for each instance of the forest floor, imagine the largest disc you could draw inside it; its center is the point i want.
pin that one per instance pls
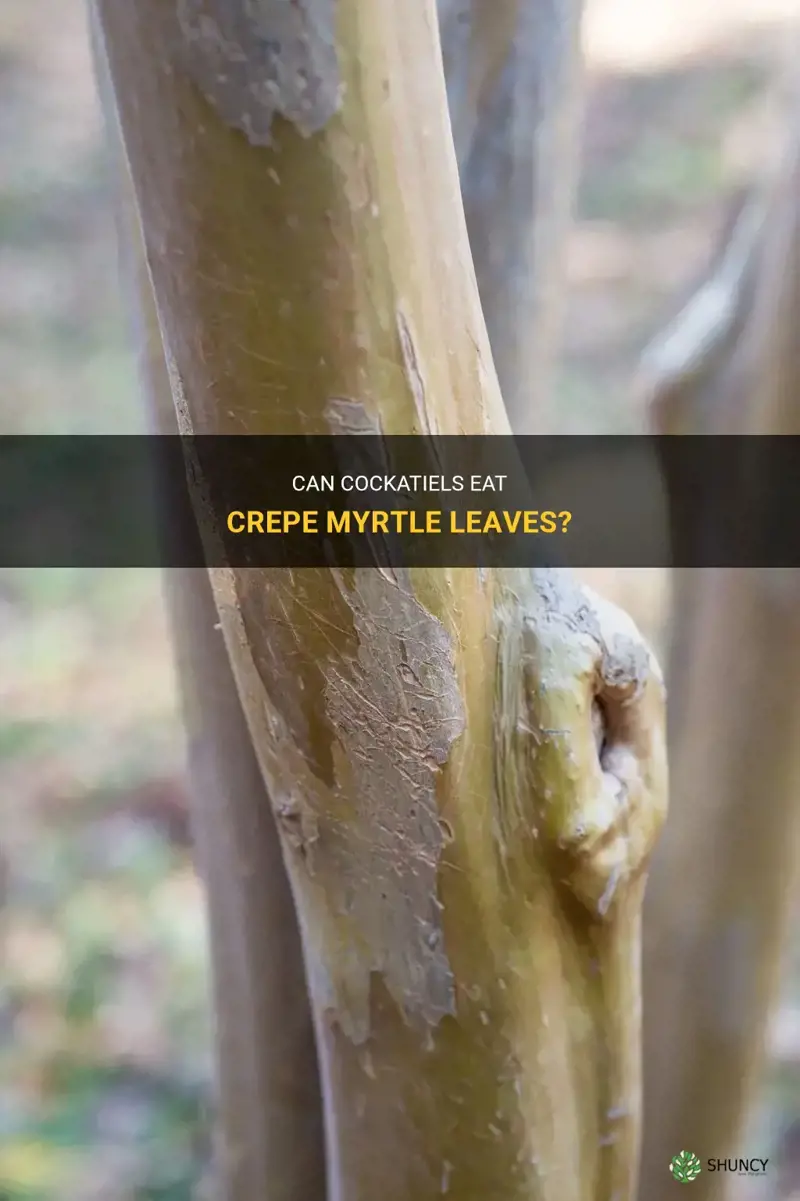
(104, 1023)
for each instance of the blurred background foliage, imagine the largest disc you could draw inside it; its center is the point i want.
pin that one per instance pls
(105, 1073)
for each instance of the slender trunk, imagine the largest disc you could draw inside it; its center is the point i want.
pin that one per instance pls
(712, 946)
(270, 1110)
(467, 882)
(513, 71)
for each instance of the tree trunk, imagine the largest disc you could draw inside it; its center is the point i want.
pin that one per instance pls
(270, 1111)
(467, 770)
(513, 70)
(730, 364)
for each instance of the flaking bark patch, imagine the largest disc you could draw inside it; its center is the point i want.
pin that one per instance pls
(396, 711)
(255, 59)
(364, 845)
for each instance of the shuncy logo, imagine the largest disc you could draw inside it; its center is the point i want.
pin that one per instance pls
(685, 1167)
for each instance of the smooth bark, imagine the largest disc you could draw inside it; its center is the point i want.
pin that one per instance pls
(268, 1096)
(513, 70)
(730, 364)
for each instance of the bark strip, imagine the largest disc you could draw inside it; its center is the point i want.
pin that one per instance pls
(268, 1093)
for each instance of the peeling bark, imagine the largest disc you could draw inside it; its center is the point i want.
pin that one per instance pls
(466, 769)
(254, 60)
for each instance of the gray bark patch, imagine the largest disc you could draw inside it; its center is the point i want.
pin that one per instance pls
(364, 844)
(255, 59)
(396, 711)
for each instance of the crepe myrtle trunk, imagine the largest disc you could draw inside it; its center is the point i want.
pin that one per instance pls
(466, 770)
(270, 1136)
(729, 364)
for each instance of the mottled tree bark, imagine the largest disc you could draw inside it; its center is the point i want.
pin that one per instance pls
(467, 770)
(729, 364)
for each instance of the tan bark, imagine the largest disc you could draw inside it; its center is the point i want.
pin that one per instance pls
(467, 771)
(270, 1109)
(730, 364)
(270, 1106)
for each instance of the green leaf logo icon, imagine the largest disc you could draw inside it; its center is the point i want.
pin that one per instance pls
(685, 1167)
